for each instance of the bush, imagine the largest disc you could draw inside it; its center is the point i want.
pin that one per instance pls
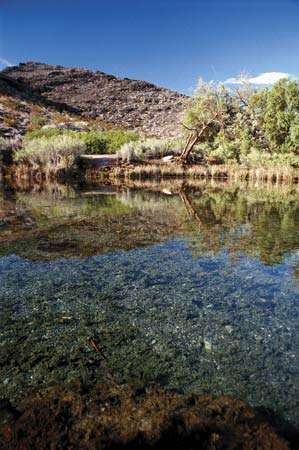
(57, 152)
(257, 159)
(149, 149)
(106, 141)
(96, 142)
(44, 133)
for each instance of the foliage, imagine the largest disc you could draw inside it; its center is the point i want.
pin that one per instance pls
(57, 152)
(96, 142)
(44, 133)
(106, 141)
(245, 124)
(209, 112)
(257, 159)
(149, 149)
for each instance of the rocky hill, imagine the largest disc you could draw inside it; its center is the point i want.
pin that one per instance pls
(121, 102)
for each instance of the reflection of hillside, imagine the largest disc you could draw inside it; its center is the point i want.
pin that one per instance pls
(69, 224)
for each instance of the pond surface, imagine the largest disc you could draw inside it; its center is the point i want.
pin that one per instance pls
(195, 290)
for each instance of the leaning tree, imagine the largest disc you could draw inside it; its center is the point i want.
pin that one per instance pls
(209, 111)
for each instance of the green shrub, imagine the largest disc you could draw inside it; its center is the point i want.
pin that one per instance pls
(106, 141)
(96, 142)
(57, 152)
(44, 133)
(258, 159)
(149, 149)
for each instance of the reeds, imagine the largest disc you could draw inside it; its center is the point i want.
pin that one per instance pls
(160, 171)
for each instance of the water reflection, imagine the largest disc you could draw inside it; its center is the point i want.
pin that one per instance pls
(59, 221)
(204, 298)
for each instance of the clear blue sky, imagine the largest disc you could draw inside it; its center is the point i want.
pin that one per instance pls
(169, 42)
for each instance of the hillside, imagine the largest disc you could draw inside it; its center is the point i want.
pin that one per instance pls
(122, 103)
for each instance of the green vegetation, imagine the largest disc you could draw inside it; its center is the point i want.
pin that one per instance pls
(51, 154)
(248, 127)
(96, 142)
(245, 129)
(53, 149)
(106, 141)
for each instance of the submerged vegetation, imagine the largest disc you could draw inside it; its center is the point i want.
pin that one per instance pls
(112, 416)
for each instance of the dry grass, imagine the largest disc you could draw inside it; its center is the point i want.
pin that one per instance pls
(160, 171)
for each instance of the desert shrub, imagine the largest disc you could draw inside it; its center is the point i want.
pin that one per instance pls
(57, 152)
(96, 142)
(149, 149)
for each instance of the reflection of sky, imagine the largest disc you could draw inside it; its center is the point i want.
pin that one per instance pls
(231, 319)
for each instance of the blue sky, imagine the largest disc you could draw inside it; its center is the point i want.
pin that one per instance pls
(169, 42)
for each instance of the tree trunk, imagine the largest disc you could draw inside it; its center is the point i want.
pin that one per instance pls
(193, 139)
(191, 142)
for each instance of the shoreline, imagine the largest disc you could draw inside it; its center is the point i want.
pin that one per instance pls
(156, 171)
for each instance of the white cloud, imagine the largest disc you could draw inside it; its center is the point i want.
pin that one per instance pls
(266, 78)
(4, 62)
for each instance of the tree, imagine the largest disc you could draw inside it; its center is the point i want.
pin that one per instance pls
(210, 111)
(281, 116)
(247, 124)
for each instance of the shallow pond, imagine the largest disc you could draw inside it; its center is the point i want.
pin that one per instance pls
(195, 290)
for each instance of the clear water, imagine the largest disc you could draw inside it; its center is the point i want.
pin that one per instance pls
(196, 291)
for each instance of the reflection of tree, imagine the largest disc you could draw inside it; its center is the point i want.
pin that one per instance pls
(255, 222)
(189, 206)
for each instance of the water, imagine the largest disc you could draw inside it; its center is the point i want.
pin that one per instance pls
(196, 291)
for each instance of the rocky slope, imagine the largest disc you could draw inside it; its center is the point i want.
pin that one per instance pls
(123, 103)
(21, 110)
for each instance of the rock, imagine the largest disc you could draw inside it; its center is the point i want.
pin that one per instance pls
(167, 158)
(229, 329)
(78, 126)
(125, 103)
